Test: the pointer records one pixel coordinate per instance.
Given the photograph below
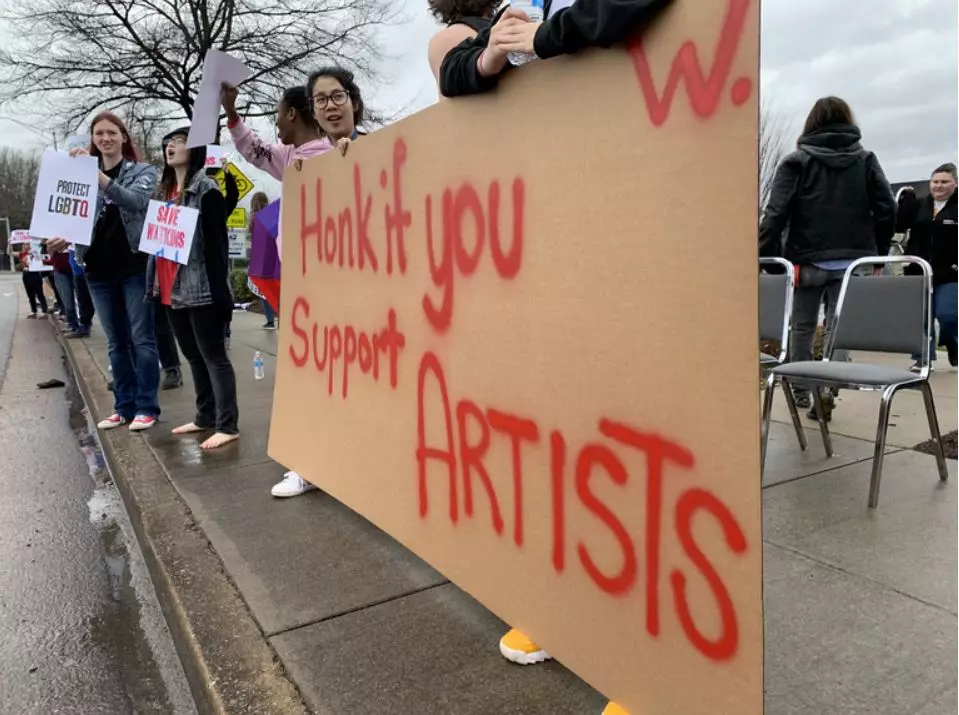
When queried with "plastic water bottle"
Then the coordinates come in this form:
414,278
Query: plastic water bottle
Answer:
533,9
258,371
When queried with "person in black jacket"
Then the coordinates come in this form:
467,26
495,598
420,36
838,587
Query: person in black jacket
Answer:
464,20
476,64
838,206
933,236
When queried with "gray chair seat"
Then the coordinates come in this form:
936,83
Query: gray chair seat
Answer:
851,373
765,359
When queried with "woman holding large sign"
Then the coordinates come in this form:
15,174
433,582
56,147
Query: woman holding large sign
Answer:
116,272
196,293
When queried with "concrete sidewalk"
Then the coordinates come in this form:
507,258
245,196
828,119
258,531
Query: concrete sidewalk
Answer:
301,605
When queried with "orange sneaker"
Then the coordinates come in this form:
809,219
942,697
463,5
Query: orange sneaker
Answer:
516,647
613,709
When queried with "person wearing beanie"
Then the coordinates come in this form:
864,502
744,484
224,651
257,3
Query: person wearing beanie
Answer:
196,296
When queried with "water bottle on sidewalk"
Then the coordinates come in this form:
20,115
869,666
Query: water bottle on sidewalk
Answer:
534,10
258,371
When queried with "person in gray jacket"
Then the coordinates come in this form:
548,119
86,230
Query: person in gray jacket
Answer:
196,296
116,272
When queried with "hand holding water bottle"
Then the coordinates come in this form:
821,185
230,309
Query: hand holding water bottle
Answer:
517,36
512,37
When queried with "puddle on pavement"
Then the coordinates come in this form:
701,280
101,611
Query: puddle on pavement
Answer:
131,624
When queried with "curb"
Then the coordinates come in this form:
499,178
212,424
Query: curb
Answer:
229,665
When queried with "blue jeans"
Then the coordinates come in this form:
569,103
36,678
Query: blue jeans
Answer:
128,322
67,299
74,294
269,313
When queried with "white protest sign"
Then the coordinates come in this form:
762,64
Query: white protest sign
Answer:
66,199
218,68
214,156
236,247
168,231
78,141
19,236
36,257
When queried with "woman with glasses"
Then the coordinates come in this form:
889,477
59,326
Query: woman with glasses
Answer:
338,109
337,105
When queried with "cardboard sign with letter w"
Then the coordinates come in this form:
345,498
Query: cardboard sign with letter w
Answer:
485,353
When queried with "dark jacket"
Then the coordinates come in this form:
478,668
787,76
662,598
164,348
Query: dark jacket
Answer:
204,280
834,198
932,238
587,23
131,191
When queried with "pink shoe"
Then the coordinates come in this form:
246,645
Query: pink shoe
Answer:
112,422
142,422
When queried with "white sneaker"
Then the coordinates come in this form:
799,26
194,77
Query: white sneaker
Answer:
292,486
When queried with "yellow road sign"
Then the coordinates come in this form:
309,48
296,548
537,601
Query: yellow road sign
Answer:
237,219
243,182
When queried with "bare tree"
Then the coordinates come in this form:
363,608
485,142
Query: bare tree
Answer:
772,148
18,184
148,54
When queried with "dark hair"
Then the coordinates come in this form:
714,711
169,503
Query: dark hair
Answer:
129,150
949,168
449,12
826,111
345,78
298,99
195,164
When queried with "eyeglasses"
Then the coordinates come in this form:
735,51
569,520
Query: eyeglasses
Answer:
321,101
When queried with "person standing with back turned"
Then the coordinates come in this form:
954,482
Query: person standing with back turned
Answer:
837,203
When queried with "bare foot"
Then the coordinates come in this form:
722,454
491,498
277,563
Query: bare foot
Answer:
218,440
189,429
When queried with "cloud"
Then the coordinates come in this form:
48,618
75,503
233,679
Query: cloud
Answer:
894,61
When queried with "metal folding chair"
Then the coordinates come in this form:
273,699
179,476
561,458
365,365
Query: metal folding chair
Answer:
776,281
891,314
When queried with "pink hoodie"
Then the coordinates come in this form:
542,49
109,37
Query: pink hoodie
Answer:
274,158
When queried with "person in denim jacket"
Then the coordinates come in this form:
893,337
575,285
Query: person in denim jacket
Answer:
116,272
196,296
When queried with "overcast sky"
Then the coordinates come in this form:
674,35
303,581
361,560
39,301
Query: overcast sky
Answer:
894,61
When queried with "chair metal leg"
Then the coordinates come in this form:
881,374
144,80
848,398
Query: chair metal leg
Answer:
885,407
764,425
794,414
821,419
934,432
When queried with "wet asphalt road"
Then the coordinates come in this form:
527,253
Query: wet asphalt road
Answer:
80,629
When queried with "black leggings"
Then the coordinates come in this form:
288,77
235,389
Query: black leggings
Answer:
200,333
33,284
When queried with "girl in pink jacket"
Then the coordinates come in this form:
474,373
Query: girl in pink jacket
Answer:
300,135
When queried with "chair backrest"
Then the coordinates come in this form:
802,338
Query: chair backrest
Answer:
775,300
885,313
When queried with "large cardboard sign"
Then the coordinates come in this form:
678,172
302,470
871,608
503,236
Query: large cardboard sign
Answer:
66,200
168,231
519,335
